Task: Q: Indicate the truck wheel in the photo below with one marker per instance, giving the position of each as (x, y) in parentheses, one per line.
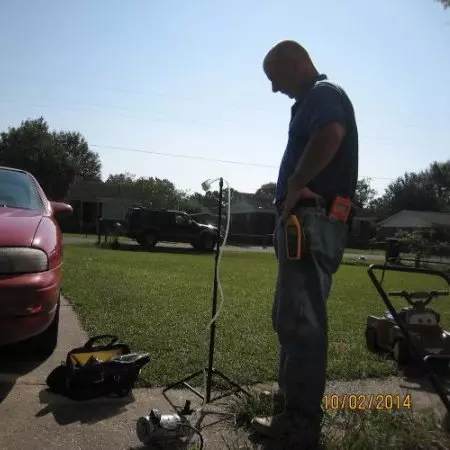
(371, 340)
(149, 240)
(207, 243)
(401, 352)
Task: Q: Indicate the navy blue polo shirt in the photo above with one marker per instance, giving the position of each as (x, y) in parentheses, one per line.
(325, 102)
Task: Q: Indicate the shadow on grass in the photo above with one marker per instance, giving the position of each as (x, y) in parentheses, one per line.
(358, 430)
(16, 361)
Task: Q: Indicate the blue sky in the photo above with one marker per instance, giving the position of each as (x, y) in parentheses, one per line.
(185, 77)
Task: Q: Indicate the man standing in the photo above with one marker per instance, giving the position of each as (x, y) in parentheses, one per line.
(320, 164)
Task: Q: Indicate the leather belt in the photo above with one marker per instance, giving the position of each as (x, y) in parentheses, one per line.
(305, 203)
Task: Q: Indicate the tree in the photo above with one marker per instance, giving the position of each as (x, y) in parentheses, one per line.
(56, 159)
(428, 190)
(150, 191)
(364, 193)
(121, 178)
(438, 180)
(445, 3)
(87, 163)
(412, 191)
(190, 204)
(266, 194)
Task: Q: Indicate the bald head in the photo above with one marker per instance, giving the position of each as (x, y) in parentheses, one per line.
(289, 67)
(286, 50)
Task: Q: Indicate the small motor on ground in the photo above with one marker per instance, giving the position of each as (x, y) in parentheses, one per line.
(158, 427)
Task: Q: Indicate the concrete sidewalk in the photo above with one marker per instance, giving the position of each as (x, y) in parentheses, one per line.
(31, 418)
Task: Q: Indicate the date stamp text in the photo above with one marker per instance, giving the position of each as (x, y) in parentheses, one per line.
(366, 402)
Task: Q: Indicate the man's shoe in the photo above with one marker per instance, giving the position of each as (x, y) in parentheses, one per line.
(275, 399)
(274, 427)
(297, 434)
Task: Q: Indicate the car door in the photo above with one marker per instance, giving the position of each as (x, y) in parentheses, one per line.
(185, 228)
(166, 226)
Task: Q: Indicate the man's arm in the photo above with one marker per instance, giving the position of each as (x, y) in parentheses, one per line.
(321, 149)
(327, 130)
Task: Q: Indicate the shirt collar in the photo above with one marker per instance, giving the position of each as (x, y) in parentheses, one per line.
(300, 100)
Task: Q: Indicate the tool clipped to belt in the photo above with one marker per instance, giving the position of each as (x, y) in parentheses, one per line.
(341, 209)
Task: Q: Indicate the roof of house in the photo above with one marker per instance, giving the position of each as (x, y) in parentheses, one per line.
(416, 219)
(364, 214)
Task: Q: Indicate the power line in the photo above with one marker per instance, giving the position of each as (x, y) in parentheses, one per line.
(127, 149)
(174, 155)
(99, 87)
(130, 91)
(128, 116)
(170, 119)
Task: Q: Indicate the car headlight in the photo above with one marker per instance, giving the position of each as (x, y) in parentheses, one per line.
(17, 260)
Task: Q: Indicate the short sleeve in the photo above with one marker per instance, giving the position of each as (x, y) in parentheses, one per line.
(325, 105)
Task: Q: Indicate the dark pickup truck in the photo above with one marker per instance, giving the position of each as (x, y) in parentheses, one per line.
(150, 226)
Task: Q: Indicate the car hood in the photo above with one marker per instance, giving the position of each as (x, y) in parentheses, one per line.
(209, 227)
(18, 226)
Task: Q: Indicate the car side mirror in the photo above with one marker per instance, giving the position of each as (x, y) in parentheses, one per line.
(61, 210)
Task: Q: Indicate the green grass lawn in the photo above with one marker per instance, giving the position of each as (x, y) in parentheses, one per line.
(358, 251)
(161, 303)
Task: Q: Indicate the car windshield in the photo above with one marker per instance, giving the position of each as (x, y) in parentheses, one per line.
(18, 191)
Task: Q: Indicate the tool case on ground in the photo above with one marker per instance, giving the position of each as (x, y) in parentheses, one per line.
(97, 370)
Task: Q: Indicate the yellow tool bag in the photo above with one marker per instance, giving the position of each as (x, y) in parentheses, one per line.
(97, 370)
(78, 357)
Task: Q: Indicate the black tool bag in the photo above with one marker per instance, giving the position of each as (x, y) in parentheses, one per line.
(94, 371)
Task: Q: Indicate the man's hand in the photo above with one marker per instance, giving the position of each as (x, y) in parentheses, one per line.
(293, 196)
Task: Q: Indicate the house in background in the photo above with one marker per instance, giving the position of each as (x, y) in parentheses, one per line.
(429, 223)
(251, 222)
(93, 200)
(363, 229)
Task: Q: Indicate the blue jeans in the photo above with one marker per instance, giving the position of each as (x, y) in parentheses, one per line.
(299, 313)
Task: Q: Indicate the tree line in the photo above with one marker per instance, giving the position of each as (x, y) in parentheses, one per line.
(58, 159)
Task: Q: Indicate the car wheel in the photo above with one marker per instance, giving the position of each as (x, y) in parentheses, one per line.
(45, 343)
(208, 243)
(371, 340)
(149, 240)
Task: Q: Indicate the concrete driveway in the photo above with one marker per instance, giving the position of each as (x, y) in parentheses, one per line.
(32, 418)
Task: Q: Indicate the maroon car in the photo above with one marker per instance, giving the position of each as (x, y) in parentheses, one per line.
(31, 258)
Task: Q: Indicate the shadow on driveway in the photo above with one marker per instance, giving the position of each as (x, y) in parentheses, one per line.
(16, 361)
(66, 411)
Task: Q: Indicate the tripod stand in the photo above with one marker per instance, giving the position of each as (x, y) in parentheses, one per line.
(211, 371)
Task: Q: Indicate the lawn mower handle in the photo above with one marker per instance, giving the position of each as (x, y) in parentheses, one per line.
(432, 376)
(410, 296)
(424, 294)
(416, 270)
